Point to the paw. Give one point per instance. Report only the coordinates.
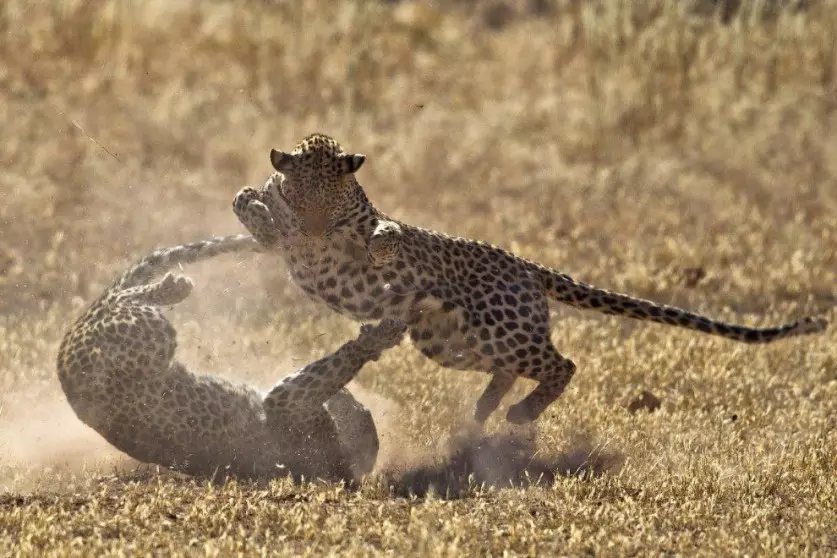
(256, 217)
(382, 250)
(388, 333)
(259, 214)
(384, 244)
(174, 288)
(520, 413)
(243, 198)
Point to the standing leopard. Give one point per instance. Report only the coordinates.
(117, 369)
(468, 304)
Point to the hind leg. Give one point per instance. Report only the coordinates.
(443, 333)
(356, 430)
(552, 375)
(461, 338)
(447, 338)
(310, 444)
(440, 339)
(514, 334)
(500, 384)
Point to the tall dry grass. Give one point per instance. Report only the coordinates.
(644, 146)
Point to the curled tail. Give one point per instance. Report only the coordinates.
(564, 288)
(164, 259)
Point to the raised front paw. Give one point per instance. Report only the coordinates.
(384, 243)
(243, 198)
(283, 216)
(384, 335)
(256, 217)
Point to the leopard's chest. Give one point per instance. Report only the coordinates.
(337, 272)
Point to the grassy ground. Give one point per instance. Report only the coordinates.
(634, 145)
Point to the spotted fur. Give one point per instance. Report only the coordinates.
(469, 304)
(117, 369)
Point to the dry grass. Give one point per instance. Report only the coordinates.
(635, 145)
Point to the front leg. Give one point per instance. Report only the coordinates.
(384, 244)
(339, 431)
(256, 217)
(319, 381)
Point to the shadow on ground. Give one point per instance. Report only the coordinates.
(501, 460)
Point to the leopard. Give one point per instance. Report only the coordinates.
(469, 304)
(117, 368)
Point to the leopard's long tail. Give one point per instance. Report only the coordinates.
(164, 259)
(567, 290)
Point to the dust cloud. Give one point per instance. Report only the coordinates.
(45, 447)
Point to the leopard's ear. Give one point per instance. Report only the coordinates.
(352, 162)
(281, 161)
